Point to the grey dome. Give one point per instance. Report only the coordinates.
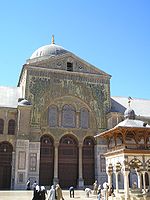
(129, 113)
(48, 50)
(23, 102)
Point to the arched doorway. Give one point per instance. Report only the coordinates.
(5, 165)
(46, 161)
(68, 161)
(88, 161)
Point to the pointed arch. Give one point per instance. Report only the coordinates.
(135, 163)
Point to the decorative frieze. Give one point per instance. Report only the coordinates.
(22, 143)
(64, 75)
(34, 145)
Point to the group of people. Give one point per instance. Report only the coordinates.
(55, 192)
(40, 192)
(105, 192)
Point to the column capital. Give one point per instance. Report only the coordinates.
(126, 172)
(80, 145)
(117, 172)
(143, 172)
(56, 144)
(109, 173)
(117, 167)
(78, 111)
(139, 173)
(109, 169)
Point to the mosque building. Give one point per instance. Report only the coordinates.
(48, 123)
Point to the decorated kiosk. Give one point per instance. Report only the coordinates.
(128, 157)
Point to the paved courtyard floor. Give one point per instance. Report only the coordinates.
(79, 195)
(27, 195)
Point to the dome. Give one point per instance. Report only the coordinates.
(129, 113)
(23, 102)
(49, 50)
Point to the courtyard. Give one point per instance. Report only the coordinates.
(27, 195)
(79, 194)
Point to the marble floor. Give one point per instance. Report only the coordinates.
(27, 195)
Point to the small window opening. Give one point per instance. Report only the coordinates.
(69, 66)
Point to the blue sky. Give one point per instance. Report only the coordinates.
(113, 35)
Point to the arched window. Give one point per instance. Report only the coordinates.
(11, 127)
(68, 116)
(1, 126)
(53, 116)
(84, 118)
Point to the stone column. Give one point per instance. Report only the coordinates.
(109, 173)
(77, 119)
(117, 171)
(148, 193)
(80, 180)
(144, 183)
(149, 180)
(126, 185)
(109, 178)
(59, 118)
(55, 180)
(117, 190)
(139, 180)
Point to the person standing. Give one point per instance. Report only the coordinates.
(34, 189)
(28, 184)
(59, 195)
(51, 193)
(99, 192)
(34, 185)
(95, 187)
(43, 193)
(36, 193)
(105, 190)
